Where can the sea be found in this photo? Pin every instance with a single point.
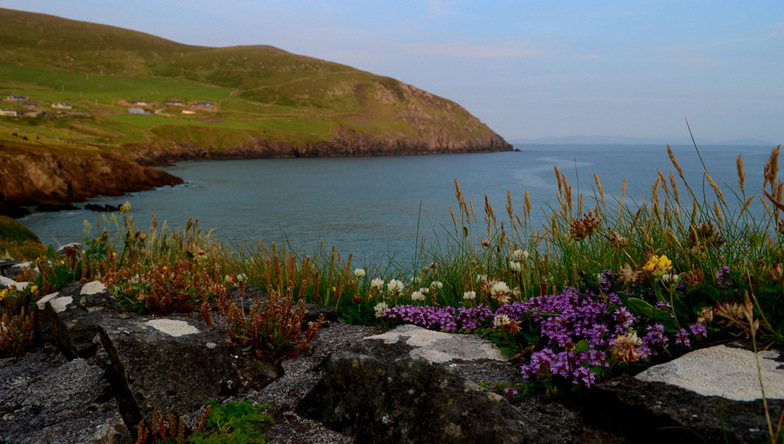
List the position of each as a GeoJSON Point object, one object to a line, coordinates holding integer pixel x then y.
{"type": "Point", "coordinates": [381, 208]}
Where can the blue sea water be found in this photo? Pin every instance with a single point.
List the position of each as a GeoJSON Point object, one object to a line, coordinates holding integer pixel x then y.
{"type": "Point", "coordinates": [374, 207]}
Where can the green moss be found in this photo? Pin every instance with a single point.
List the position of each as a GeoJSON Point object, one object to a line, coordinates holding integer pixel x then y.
{"type": "Point", "coordinates": [17, 242]}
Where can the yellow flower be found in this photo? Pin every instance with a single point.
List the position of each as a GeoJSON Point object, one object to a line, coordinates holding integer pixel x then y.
{"type": "Point", "coordinates": [658, 265]}
{"type": "Point", "coordinates": [33, 289]}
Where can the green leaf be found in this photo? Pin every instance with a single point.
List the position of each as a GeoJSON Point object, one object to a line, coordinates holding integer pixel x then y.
{"type": "Point", "coordinates": [581, 345]}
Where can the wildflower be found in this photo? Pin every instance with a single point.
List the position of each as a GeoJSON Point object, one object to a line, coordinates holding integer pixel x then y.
{"type": "Point", "coordinates": [3, 293]}
{"type": "Point", "coordinates": [519, 255]}
{"type": "Point", "coordinates": [125, 208]}
{"type": "Point", "coordinates": [693, 278]}
{"type": "Point", "coordinates": [395, 287]}
{"type": "Point", "coordinates": [500, 292]}
{"type": "Point", "coordinates": [241, 277]}
{"type": "Point", "coordinates": [616, 240]}
{"type": "Point", "coordinates": [481, 277]}
{"type": "Point", "coordinates": [658, 265]}
{"type": "Point", "coordinates": [376, 284]}
{"type": "Point", "coordinates": [70, 246]}
{"type": "Point", "coordinates": [703, 235]}
{"type": "Point", "coordinates": [436, 285]}
{"type": "Point", "coordinates": [380, 309]}
{"type": "Point", "coordinates": [501, 321]}
{"type": "Point", "coordinates": [723, 276]}
{"type": "Point", "coordinates": [671, 278]}
{"type": "Point", "coordinates": [625, 347]}
{"type": "Point", "coordinates": [469, 295]}
{"type": "Point", "coordinates": [34, 289]}
{"type": "Point", "coordinates": [485, 243]}
{"type": "Point", "coordinates": [682, 338]}
{"type": "Point", "coordinates": [628, 275]}
{"type": "Point", "coordinates": [417, 296]}
{"type": "Point", "coordinates": [416, 280]}
{"type": "Point", "coordinates": [515, 266]}
{"type": "Point", "coordinates": [588, 225]}
{"type": "Point", "coordinates": [359, 272]}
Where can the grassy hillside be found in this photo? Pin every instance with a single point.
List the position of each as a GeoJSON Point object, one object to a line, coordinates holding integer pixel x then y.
{"type": "Point", "coordinates": [252, 92]}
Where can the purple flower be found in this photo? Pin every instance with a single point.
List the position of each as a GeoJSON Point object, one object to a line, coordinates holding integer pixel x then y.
{"type": "Point", "coordinates": [723, 275]}
{"type": "Point", "coordinates": [682, 338]}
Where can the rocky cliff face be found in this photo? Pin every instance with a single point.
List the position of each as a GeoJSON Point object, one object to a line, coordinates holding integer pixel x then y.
{"type": "Point", "coordinates": [30, 178]}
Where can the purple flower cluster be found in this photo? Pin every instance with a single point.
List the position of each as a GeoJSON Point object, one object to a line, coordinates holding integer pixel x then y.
{"type": "Point", "coordinates": [446, 318]}
{"type": "Point", "coordinates": [579, 331]}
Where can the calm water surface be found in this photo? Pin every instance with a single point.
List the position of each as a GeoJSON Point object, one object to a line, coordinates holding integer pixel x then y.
{"type": "Point", "coordinates": [374, 207]}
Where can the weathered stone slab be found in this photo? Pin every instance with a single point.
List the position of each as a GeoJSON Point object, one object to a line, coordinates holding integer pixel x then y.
{"type": "Point", "coordinates": [710, 393]}
{"type": "Point", "coordinates": [376, 392]}
{"type": "Point", "coordinates": [69, 318]}
{"type": "Point", "coordinates": [728, 372]}
{"type": "Point", "coordinates": [176, 364]}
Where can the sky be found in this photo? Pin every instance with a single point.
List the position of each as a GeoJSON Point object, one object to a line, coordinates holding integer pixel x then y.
{"type": "Point", "coordinates": [528, 69]}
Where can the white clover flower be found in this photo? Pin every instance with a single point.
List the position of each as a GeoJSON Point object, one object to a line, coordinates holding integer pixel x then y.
{"type": "Point", "coordinates": [359, 272]}
{"type": "Point", "coordinates": [469, 295]}
{"type": "Point", "coordinates": [436, 285]}
{"type": "Point", "coordinates": [501, 292]}
{"type": "Point", "coordinates": [417, 296]}
{"type": "Point", "coordinates": [515, 266]}
{"type": "Point", "coordinates": [481, 277]}
{"type": "Point", "coordinates": [380, 308]}
{"type": "Point", "coordinates": [424, 290]}
{"type": "Point", "coordinates": [519, 255]}
{"type": "Point", "coordinates": [395, 287]}
{"type": "Point", "coordinates": [671, 278]}
{"type": "Point", "coordinates": [416, 280]}
{"type": "Point", "coordinates": [501, 321]}
{"type": "Point", "coordinates": [377, 284]}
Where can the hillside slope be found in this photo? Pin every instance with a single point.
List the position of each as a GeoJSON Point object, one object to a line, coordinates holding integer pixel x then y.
{"type": "Point", "coordinates": [70, 83]}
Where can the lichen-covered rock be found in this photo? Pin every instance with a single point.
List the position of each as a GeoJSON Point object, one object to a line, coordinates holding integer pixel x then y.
{"type": "Point", "coordinates": [377, 392]}
{"type": "Point", "coordinates": [176, 364]}
{"type": "Point", "coordinates": [69, 318]}
{"type": "Point", "coordinates": [682, 399]}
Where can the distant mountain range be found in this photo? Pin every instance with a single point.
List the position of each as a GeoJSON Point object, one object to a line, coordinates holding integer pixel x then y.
{"type": "Point", "coordinates": [611, 140]}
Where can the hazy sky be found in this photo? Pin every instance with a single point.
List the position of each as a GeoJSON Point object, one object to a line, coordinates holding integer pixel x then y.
{"type": "Point", "coordinates": [527, 69]}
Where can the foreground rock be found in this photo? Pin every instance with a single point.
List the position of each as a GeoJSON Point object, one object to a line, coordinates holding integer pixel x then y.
{"type": "Point", "coordinates": [357, 384]}
{"type": "Point", "coordinates": [713, 393]}
{"type": "Point", "coordinates": [406, 386]}
{"type": "Point", "coordinates": [46, 398]}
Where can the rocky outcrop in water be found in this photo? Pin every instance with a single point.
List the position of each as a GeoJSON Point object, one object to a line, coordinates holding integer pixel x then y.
{"type": "Point", "coordinates": [30, 178]}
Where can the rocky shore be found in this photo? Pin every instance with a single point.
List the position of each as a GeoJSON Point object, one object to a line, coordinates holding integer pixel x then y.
{"type": "Point", "coordinates": [51, 181]}
{"type": "Point", "coordinates": [99, 371]}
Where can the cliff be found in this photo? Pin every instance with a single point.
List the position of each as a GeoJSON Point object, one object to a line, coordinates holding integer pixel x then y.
{"type": "Point", "coordinates": [32, 178]}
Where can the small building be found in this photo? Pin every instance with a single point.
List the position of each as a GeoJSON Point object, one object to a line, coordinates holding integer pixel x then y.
{"type": "Point", "coordinates": [173, 103]}
{"type": "Point", "coordinates": [204, 104]}
{"type": "Point", "coordinates": [142, 103]}
{"type": "Point", "coordinates": [8, 112]}
{"type": "Point", "coordinates": [188, 111]}
{"type": "Point", "coordinates": [61, 105]}
{"type": "Point", "coordinates": [15, 98]}
{"type": "Point", "coordinates": [31, 105]}
{"type": "Point", "coordinates": [136, 111]}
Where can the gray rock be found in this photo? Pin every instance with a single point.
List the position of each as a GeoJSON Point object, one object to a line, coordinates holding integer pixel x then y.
{"type": "Point", "coordinates": [69, 318]}
{"type": "Point", "coordinates": [687, 398]}
{"type": "Point", "coordinates": [176, 364]}
{"type": "Point", "coordinates": [377, 392]}
{"type": "Point", "coordinates": [46, 398]}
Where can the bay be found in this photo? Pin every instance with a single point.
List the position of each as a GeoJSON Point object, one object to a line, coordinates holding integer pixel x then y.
{"type": "Point", "coordinates": [382, 207]}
